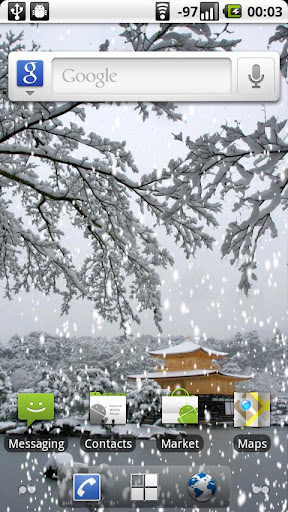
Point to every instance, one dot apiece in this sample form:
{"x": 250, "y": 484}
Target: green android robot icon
{"x": 188, "y": 414}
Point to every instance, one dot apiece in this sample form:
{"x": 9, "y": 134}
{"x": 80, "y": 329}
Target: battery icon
{"x": 233, "y": 11}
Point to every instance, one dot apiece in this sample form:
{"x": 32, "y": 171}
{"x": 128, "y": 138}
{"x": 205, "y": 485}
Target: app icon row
{"x": 145, "y": 487}
{"x": 250, "y": 409}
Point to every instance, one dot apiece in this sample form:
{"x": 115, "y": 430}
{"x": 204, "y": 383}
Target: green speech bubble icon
{"x": 35, "y": 406}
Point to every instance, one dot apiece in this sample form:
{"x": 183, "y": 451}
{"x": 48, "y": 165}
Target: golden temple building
{"x": 194, "y": 368}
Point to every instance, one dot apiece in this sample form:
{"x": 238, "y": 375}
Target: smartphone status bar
{"x": 143, "y": 11}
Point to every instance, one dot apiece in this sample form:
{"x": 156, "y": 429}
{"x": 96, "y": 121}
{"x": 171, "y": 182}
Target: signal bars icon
{"x": 162, "y": 11}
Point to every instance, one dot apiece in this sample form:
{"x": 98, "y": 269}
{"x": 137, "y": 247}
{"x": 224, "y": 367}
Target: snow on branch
{"x": 41, "y": 168}
{"x": 281, "y": 35}
{"x": 251, "y": 167}
{"x": 173, "y": 37}
{"x": 103, "y": 196}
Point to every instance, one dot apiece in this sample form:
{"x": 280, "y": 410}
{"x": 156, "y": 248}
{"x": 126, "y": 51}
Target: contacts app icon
{"x": 35, "y": 406}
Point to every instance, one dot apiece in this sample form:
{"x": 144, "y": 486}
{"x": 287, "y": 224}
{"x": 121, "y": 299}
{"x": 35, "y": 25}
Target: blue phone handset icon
{"x": 87, "y": 487}
{"x": 81, "y": 489}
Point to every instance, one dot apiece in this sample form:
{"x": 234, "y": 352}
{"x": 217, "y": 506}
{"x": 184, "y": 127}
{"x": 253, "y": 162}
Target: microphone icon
{"x": 256, "y": 77}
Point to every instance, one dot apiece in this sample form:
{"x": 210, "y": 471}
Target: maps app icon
{"x": 30, "y": 73}
{"x": 252, "y": 409}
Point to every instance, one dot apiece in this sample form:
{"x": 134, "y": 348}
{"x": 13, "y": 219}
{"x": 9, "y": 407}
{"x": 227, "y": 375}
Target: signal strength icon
{"x": 162, "y": 11}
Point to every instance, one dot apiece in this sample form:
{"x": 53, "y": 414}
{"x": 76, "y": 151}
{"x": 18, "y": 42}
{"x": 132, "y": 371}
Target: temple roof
{"x": 186, "y": 347}
{"x": 187, "y": 373}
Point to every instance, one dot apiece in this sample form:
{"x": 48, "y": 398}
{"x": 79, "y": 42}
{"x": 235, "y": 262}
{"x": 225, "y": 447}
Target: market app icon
{"x": 180, "y": 408}
{"x": 35, "y": 406}
{"x": 252, "y": 409}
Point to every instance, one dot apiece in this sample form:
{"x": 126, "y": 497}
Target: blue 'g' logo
{"x": 30, "y": 73}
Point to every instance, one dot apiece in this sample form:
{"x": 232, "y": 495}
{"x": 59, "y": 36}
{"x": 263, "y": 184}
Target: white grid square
{"x": 151, "y": 494}
{"x": 151, "y": 480}
{"x": 137, "y": 493}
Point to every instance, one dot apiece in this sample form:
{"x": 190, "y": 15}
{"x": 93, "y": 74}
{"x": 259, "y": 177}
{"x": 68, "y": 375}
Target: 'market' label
{"x": 190, "y": 443}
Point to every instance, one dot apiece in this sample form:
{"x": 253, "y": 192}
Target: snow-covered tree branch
{"x": 103, "y": 196}
{"x": 172, "y": 37}
{"x": 233, "y": 162}
{"x": 188, "y": 37}
{"x": 40, "y": 164}
{"x": 281, "y": 35}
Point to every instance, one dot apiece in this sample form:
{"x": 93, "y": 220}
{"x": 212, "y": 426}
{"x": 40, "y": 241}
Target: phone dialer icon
{"x": 87, "y": 487}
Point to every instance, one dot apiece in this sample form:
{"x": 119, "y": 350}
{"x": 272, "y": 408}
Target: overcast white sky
{"x": 199, "y": 293}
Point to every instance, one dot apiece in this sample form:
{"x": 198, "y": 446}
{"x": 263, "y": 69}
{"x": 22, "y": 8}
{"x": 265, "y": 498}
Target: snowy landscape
{"x": 72, "y": 367}
{"x": 126, "y": 228}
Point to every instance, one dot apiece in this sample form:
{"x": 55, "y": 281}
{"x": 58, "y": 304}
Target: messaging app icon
{"x": 35, "y": 406}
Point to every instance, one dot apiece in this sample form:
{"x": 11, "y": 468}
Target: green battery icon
{"x": 233, "y": 11}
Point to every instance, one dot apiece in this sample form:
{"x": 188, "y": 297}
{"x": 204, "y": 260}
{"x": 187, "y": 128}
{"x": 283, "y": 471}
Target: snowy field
{"x": 247, "y": 470}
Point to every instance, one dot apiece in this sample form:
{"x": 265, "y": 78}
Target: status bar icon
{"x": 162, "y": 11}
{"x": 233, "y": 11}
{"x": 209, "y": 11}
{"x": 16, "y": 11}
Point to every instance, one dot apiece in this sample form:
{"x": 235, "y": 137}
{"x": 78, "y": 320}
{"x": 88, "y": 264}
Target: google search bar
{"x": 123, "y": 76}
{"x": 149, "y": 77}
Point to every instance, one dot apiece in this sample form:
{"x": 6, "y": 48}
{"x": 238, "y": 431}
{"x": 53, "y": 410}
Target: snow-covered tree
{"x": 132, "y": 356}
{"x": 276, "y": 361}
{"x": 38, "y": 164}
{"x": 281, "y": 35}
{"x": 144, "y": 400}
{"x": 59, "y": 384}
{"x": 7, "y": 399}
{"x": 252, "y": 167}
{"x": 181, "y": 37}
{"x": 103, "y": 196}
{"x": 232, "y": 366}
{"x": 226, "y": 162}
{"x": 237, "y": 343}
{"x": 19, "y": 377}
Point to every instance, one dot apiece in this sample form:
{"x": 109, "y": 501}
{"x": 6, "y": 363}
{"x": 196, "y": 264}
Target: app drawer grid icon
{"x": 144, "y": 487}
